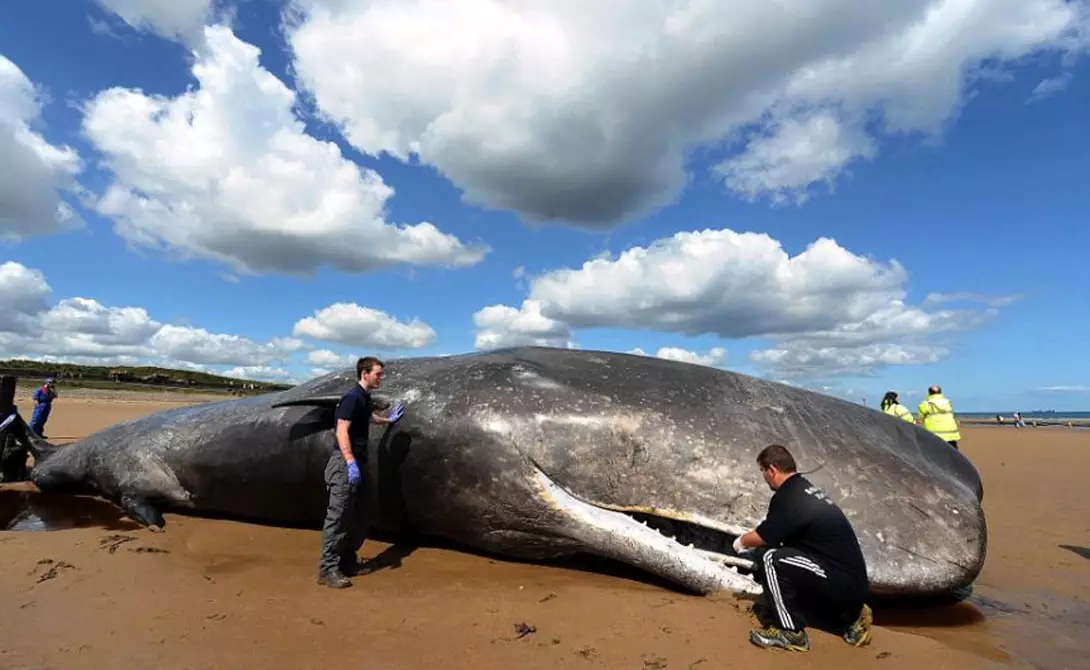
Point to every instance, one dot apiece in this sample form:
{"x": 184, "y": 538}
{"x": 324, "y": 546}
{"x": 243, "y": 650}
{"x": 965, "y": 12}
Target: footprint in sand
{"x": 49, "y": 569}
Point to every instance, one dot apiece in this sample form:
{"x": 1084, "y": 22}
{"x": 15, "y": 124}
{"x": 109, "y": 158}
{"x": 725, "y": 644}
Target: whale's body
{"x": 536, "y": 453}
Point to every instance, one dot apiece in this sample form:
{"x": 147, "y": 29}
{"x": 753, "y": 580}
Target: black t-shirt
{"x": 356, "y": 406}
{"x": 802, "y": 517}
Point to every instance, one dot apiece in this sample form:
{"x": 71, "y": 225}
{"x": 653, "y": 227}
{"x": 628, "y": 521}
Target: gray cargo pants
{"x": 346, "y": 518}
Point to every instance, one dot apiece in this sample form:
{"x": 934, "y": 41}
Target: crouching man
{"x": 807, "y": 560}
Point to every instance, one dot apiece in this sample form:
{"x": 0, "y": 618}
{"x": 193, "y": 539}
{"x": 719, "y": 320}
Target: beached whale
{"x": 537, "y": 453}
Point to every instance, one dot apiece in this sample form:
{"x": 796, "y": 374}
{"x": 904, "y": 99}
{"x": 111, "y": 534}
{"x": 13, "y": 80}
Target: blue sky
{"x": 848, "y": 205}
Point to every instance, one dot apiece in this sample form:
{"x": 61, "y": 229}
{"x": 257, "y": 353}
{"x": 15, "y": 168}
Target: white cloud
{"x": 328, "y": 359}
{"x": 111, "y": 325}
{"x": 803, "y": 359}
{"x": 352, "y": 324}
{"x": 83, "y": 330}
{"x": 1050, "y": 86}
{"x": 792, "y": 154}
{"x": 716, "y": 356}
{"x": 172, "y": 19}
{"x": 200, "y": 346}
{"x": 718, "y": 282}
{"x": 33, "y": 172}
{"x": 261, "y": 373}
{"x": 1066, "y": 388}
{"x": 500, "y": 326}
{"x": 533, "y": 107}
{"x": 24, "y": 294}
{"x": 226, "y": 172}
{"x": 966, "y": 296}
{"x": 828, "y": 311}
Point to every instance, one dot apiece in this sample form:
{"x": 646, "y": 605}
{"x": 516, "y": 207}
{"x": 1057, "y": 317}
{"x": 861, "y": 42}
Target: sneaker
{"x": 772, "y": 638}
{"x": 334, "y": 579}
{"x": 858, "y": 634}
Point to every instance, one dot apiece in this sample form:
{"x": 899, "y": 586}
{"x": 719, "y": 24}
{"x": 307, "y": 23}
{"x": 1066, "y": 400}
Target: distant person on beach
{"x": 43, "y": 399}
{"x": 1018, "y": 422}
{"x": 808, "y": 562}
{"x": 937, "y": 413}
{"x": 892, "y": 406}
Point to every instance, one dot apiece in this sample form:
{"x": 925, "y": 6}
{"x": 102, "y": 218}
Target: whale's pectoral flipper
{"x": 330, "y": 401}
{"x": 143, "y": 512}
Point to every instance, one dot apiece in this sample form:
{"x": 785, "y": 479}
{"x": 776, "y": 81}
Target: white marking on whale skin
{"x": 620, "y": 537}
{"x": 412, "y": 395}
{"x": 614, "y": 423}
{"x": 530, "y": 378}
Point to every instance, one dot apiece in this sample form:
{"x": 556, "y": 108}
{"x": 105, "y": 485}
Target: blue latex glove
{"x": 353, "y": 474}
{"x": 396, "y": 412}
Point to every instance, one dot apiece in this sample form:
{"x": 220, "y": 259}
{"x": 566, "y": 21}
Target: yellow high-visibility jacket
{"x": 937, "y": 413}
{"x": 900, "y": 411}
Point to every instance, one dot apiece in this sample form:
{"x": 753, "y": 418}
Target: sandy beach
{"x": 81, "y": 587}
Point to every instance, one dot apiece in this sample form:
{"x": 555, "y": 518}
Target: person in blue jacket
{"x": 43, "y": 399}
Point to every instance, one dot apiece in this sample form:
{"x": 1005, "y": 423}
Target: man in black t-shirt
{"x": 808, "y": 561}
{"x": 346, "y": 515}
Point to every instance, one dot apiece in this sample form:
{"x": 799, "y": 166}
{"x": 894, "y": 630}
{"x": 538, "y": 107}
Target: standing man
{"x": 345, "y": 525}
{"x": 937, "y": 413}
{"x": 808, "y": 561}
{"x": 43, "y": 398}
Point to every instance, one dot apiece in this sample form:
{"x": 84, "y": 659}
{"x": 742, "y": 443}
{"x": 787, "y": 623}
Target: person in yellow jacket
{"x": 892, "y": 406}
{"x": 937, "y": 413}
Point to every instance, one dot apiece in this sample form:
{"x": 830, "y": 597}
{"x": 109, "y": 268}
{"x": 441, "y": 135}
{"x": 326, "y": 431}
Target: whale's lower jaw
{"x": 619, "y": 536}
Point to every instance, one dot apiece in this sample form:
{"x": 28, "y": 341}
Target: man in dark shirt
{"x": 346, "y": 514}
{"x": 809, "y": 561}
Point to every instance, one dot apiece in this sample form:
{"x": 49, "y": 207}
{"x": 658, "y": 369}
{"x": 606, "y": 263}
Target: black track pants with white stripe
{"x": 798, "y": 591}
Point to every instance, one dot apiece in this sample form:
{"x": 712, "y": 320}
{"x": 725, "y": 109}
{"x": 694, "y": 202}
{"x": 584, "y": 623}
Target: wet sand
{"x": 96, "y": 592}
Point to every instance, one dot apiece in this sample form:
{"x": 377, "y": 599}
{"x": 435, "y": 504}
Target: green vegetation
{"x": 122, "y": 377}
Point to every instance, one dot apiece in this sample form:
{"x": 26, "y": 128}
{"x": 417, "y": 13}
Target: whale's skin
{"x": 537, "y": 453}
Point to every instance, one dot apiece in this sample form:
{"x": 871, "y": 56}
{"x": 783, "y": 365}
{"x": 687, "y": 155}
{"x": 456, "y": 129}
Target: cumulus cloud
{"x": 355, "y": 325}
{"x": 201, "y": 346}
{"x": 533, "y": 107}
{"x": 826, "y": 309}
{"x": 172, "y": 19}
{"x": 500, "y": 326}
{"x": 226, "y": 172}
{"x": 33, "y": 172}
{"x": 24, "y": 295}
{"x": 718, "y": 282}
{"x": 83, "y": 330}
{"x": 716, "y": 356}
{"x": 327, "y": 359}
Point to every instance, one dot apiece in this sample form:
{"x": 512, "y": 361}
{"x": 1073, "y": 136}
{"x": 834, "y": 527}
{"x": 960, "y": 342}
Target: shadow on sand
{"x": 31, "y": 511}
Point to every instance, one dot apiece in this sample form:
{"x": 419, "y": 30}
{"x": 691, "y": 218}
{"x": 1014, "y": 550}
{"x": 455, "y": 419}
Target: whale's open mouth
{"x": 687, "y": 552}
{"x": 712, "y": 543}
